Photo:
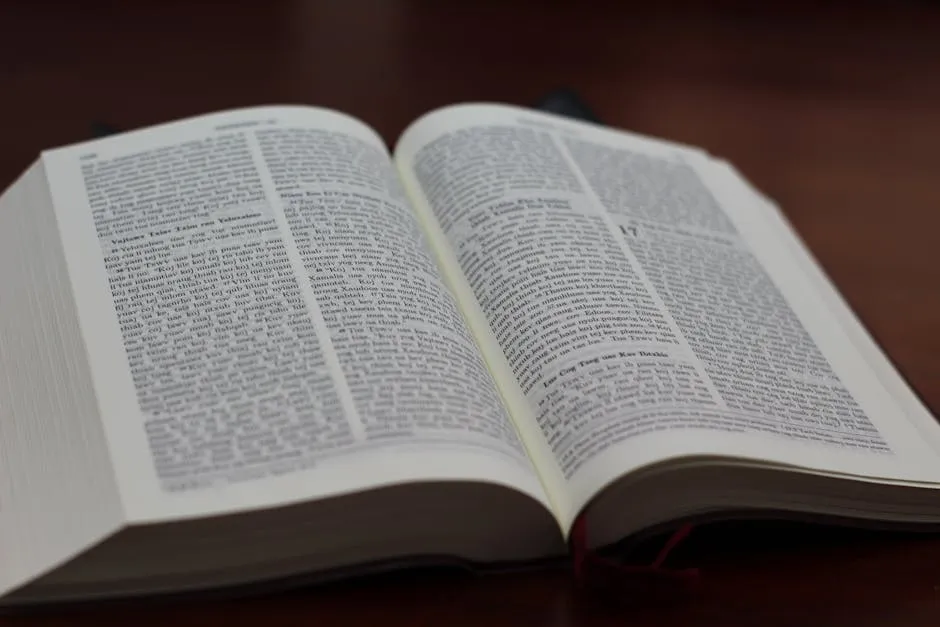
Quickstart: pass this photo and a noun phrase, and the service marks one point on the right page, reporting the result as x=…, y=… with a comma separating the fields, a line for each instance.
x=638, y=305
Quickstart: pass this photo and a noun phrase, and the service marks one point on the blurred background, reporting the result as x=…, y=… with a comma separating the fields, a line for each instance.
x=832, y=108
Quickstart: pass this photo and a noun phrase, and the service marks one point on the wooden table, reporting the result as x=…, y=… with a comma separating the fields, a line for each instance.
x=835, y=113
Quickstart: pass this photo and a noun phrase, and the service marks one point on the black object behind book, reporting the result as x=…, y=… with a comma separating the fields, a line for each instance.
x=566, y=102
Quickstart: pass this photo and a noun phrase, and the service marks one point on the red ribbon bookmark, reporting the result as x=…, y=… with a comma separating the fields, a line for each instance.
x=631, y=582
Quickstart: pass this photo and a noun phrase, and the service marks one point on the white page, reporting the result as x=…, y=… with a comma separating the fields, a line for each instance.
x=848, y=322
x=644, y=306
x=263, y=320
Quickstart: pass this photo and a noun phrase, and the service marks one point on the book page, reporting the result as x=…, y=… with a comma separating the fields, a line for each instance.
x=264, y=318
x=643, y=305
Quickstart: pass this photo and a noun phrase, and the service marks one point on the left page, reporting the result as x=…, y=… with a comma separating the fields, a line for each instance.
x=264, y=320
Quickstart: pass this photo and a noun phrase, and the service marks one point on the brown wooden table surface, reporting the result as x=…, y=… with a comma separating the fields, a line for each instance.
x=834, y=112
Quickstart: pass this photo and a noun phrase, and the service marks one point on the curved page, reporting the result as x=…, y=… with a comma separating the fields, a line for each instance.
x=264, y=320
x=639, y=308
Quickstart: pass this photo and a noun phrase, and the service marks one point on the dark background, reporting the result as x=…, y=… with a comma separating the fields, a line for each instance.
x=833, y=110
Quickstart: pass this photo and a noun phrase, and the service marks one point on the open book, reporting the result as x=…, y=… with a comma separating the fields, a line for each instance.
x=255, y=345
